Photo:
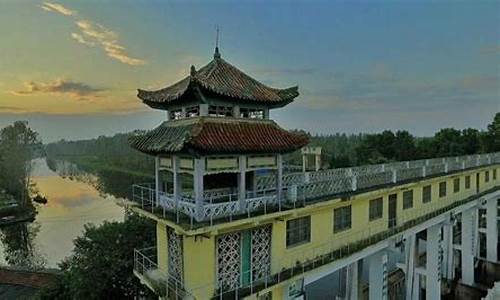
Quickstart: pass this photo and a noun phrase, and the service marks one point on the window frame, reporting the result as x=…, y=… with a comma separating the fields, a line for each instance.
x=340, y=221
x=427, y=193
x=456, y=185
x=408, y=201
x=301, y=228
x=376, y=209
x=442, y=189
x=486, y=176
x=467, y=182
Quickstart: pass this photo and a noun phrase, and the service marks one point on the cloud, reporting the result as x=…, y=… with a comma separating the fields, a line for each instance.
x=285, y=71
x=93, y=34
x=58, y=8
x=79, y=38
x=11, y=109
x=108, y=40
x=77, y=90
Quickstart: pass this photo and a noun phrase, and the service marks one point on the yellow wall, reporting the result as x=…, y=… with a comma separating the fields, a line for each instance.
x=199, y=265
x=162, y=246
x=200, y=254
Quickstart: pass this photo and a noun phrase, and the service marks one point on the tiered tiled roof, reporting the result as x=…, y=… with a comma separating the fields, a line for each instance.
x=216, y=135
x=222, y=79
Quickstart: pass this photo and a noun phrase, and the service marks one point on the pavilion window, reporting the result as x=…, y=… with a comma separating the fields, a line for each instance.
x=456, y=185
x=220, y=111
x=407, y=199
x=376, y=209
x=467, y=182
x=342, y=219
x=176, y=114
x=426, y=194
x=251, y=113
x=192, y=111
x=298, y=231
x=442, y=189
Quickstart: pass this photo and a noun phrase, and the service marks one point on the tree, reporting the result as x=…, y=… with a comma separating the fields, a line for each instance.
x=18, y=146
x=404, y=146
x=101, y=266
x=492, y=136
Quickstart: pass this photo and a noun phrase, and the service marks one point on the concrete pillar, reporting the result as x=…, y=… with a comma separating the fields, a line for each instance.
x=352, y=283
x=199, y=171
x=433, y=264
x=242, y=183
x=304, y=163
x=410, y=275
x=447, y=246
x=377, y=276
x=491, y=230
x=469, y=238
x=157, y=180
x=279, y=178
x=266, y=113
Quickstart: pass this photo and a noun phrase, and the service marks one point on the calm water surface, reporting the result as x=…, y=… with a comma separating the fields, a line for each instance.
x=73, y=201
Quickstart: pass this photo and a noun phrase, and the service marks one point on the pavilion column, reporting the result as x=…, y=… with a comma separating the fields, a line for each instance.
x=304, y=161
x=279, y=178
x=433, y=264
x=157, y=180
x=199, y=171
x=377, y=276
x=469, y=238
x=317, y=162
x=491, y=230
x=176, y=180
x=242, y=183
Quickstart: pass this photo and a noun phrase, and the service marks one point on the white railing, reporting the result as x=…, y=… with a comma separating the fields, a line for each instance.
x=313, y=186
x=166, y=285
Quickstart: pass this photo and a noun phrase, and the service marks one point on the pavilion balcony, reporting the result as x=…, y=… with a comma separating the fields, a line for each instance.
x=297, y=189
x=165, y=285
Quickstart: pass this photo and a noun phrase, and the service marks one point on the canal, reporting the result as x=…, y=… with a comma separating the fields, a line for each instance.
x=74, y=199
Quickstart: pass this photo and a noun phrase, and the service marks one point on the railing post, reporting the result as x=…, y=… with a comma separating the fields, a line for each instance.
x=463, y=165
x=354, y=183
x=446, y=167
x=424, y=171
x=394, y=176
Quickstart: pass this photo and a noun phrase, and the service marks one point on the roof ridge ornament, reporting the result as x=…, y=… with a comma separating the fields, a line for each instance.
x=217, y=53
x=193, y=70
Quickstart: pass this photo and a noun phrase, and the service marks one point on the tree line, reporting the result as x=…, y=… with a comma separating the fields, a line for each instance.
x=343, y=150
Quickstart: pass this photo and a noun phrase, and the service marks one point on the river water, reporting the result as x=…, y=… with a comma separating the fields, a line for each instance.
x=73, y=201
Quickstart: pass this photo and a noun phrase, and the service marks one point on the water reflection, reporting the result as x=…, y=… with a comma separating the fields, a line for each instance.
x=73, y=200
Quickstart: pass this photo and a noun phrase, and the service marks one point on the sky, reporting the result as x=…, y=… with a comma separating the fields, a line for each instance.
x=72, y=68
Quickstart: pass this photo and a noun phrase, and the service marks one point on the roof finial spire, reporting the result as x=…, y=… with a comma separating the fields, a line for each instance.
x=217, y=53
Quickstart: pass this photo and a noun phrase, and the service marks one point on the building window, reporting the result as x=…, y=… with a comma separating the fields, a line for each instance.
x=487, y=176
x=298, y=231
x=342, y=219
x=442, y=189
x=220, y=111
x=467, y=182
x=376, y=209
x=407, y=199
x=251, y=113
x=494, y=174
x=456, y=185
x=193, y=111
x=176, y=114
x=426, y=194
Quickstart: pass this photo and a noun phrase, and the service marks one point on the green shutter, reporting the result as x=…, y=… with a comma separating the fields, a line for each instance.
x=246, y=256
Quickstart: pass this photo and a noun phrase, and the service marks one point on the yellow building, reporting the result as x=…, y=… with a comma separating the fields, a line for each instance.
x=232, y=225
